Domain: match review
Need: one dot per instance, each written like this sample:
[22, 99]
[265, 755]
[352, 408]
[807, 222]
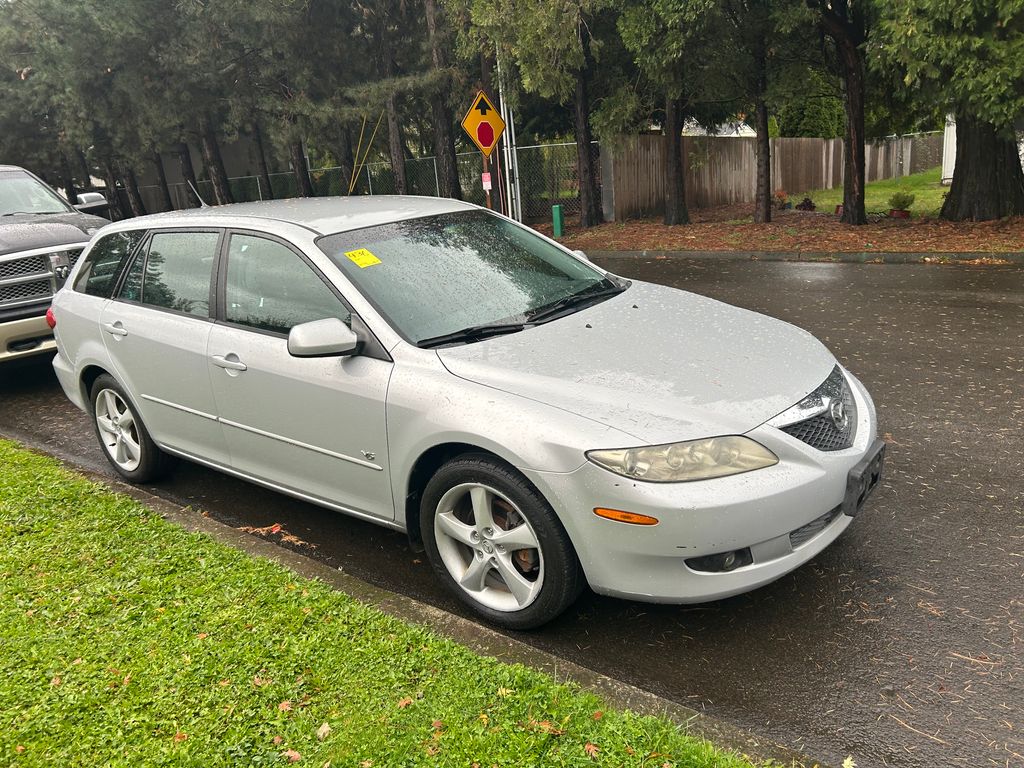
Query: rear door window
[174, 272]
[104, 263]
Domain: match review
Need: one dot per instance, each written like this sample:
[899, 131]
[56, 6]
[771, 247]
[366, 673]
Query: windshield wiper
[575, 301]
[472, 333]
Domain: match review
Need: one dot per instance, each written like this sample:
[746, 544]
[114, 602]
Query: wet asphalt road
[902, 644]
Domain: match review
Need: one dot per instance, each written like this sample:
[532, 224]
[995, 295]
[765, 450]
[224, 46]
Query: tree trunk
[161, 177]
[346, 161]
[266, 189]
[675, 180]
[214, 164]
[300, 169]
[188, 172]
[590, 193]
[853, 143]
[988, 182]
[763, 192]
[396, 147]
[67, 181]
[84, 172]
[440, 113]
[131, 188]
[113, 198]
[844, 23]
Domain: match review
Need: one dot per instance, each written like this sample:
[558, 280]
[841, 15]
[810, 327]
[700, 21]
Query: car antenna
[202, 203]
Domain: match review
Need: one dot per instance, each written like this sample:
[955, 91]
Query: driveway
[902, 644]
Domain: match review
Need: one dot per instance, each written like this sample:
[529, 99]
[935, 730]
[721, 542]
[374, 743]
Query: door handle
[115, 328]
[230, 364]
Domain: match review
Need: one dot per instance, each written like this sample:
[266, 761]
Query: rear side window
[271, 288]
[177, 272]
[103, 264]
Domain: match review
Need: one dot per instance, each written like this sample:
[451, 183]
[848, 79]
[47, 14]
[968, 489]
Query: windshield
[21, 192]
[441, 274]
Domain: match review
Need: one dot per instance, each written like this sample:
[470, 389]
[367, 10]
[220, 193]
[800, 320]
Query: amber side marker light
[625, 517]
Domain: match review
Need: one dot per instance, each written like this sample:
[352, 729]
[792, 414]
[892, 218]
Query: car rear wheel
[497, 544]
[122, 435]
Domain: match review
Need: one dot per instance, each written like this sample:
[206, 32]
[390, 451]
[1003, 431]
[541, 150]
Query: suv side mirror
[91, 201]
[329, 337]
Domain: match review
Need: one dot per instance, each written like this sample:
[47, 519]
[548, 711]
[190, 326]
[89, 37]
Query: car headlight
[684, 462]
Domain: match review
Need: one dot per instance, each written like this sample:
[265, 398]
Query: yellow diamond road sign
[483, 124]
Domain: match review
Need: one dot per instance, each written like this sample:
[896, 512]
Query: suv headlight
[684, 462]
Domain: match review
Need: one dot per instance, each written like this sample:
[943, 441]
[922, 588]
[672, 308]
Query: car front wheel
[122, 435]
[497, 544]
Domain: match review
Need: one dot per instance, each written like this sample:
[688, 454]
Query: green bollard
[556, 219]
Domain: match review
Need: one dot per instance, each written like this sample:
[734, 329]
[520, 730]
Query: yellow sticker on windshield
[362, 258]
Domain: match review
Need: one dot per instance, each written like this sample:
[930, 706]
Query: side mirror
[329, 337]
[91, 201]
[582, 255]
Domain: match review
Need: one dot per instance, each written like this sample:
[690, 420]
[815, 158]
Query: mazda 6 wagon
[536, 423]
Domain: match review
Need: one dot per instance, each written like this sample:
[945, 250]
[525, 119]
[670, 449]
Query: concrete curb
[479, 638]
[868, 257]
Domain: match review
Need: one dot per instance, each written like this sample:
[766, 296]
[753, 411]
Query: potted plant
[899, 204]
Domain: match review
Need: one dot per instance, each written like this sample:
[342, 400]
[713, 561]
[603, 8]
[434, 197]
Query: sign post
[484, 126]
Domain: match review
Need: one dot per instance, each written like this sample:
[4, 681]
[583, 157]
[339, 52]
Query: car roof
[11, 168]
[322, 215]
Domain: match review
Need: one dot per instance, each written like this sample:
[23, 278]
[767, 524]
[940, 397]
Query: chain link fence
[548, 176]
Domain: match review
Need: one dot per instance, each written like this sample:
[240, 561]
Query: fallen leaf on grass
[292, 755]
[285, 706]
[277, 740]
[437, 725]
[591, 749]
[180, 736]
[323, 731]
[259, 682]
[598, 714]
[56, 680]
[403, 703]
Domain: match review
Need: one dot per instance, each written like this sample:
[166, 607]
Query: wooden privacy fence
[723, 170]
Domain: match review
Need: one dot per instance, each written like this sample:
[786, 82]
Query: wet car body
[496, 448]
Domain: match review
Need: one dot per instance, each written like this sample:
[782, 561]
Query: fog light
[722, 562]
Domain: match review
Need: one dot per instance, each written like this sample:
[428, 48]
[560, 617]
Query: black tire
[560, 575]
[152, 463]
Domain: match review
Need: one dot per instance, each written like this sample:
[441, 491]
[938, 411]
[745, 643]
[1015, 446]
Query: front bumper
[769, 511]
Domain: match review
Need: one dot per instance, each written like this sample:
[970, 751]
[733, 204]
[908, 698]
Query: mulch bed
[731, 228]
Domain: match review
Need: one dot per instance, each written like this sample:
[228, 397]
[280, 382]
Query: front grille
[29, 265]
[21, 292]
[73, 256]
[805, 533]
[822, 431]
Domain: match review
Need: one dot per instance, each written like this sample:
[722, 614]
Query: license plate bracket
[863, 479]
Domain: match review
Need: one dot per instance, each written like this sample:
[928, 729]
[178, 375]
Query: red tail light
[50, 319]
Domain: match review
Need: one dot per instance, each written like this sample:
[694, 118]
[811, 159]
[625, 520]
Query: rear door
[156, 332]
[314, 426]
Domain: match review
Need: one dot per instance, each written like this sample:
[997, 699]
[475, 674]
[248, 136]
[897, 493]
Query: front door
[311, 425]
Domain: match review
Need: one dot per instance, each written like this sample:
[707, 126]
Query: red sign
[486, 179]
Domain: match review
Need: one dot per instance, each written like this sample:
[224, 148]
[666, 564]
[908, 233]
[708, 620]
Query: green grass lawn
[925, 186]
[127, 641]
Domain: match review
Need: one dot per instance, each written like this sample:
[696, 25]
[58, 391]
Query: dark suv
[41, 237]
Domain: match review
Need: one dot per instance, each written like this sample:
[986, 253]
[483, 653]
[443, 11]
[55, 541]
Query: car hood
[656, 363]
[25, 231]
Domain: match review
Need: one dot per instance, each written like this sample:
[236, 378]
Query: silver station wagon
[534, 422]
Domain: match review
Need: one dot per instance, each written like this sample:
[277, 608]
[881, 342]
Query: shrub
[806, 205]
[901, 200]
